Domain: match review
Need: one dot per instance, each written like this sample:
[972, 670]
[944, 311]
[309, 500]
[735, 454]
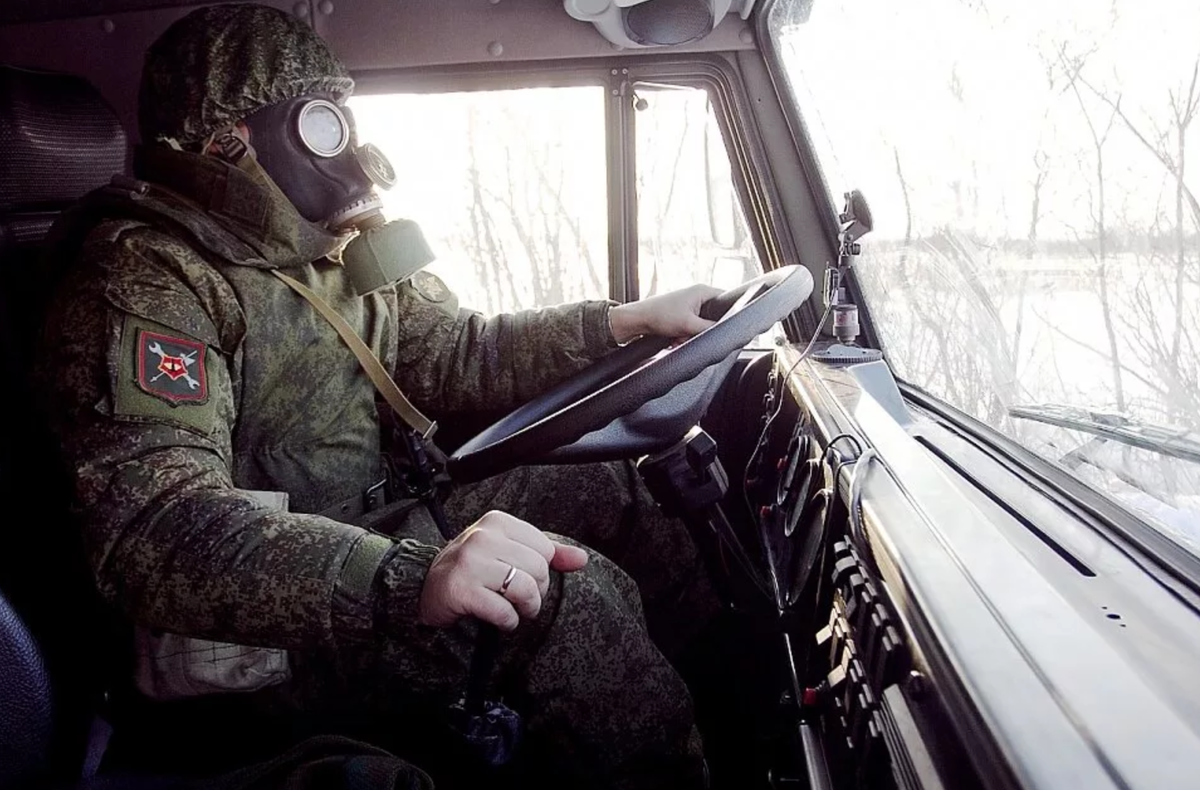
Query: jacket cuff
[598, 338]
[398, 586]
[353, 609]
[378, 571]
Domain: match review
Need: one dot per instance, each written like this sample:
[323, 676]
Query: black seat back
[25, 726]
[58, 141]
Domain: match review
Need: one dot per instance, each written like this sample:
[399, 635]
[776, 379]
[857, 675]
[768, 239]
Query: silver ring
[512, 573]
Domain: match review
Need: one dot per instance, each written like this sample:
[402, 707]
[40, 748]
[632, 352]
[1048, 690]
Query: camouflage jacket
[181, 376]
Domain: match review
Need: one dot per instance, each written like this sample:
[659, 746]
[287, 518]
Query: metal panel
[386, 35]
[366, 34]
[1067, 708]
[14, 11]
[107, 50]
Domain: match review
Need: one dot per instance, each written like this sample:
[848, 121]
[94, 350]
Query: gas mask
[307, 146]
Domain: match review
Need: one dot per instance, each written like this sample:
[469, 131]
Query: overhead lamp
[650, 23]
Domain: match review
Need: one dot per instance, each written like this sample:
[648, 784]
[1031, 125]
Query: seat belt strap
[370, 363]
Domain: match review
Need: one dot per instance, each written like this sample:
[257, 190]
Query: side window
[691, 226]
[509, 187]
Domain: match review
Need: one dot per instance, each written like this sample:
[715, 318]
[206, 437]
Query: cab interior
[919, 594]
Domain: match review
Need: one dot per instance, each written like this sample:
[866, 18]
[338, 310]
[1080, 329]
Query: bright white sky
[966, 94]
[877, 75]
[538, 157]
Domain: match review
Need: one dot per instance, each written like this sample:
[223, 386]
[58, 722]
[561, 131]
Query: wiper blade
[1175, 442]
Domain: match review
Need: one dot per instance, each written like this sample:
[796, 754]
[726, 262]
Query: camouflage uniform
[182, 378]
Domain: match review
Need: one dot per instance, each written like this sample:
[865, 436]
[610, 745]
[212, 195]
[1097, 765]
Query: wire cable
[858, 534]
[758, 447]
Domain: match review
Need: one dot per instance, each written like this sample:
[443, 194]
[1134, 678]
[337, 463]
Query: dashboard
[951, 618]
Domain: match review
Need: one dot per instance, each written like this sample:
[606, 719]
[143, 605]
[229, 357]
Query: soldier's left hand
[675, 314]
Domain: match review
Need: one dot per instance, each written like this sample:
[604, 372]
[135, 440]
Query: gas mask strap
[231, 148]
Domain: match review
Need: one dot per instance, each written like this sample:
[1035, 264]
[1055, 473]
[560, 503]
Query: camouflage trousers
[606, 508]
[590, 676]
[600, 702]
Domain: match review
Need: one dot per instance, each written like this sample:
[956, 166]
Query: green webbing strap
[370, 363]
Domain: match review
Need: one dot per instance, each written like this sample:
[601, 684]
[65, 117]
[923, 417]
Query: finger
[491, 607]
[694, 324]
[568, 558]
[527, 534]
[523, 594]
[526, 560]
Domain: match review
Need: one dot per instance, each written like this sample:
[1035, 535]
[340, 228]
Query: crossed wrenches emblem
[188, 359]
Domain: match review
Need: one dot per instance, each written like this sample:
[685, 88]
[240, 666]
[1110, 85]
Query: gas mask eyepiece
[323, 128]
[307, 146]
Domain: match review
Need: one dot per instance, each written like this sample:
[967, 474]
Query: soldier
[225, 441]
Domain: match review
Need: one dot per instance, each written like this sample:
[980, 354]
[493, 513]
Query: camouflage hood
[243, 202]
[235, 212]
[219, 64]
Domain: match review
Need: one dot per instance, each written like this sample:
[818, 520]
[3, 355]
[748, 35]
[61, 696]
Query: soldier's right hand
[467, 575]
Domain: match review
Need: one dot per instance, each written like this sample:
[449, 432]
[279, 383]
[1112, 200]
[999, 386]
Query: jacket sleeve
[171, 542]
[456, 360]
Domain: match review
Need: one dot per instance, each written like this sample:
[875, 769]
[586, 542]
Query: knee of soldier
[600, 586]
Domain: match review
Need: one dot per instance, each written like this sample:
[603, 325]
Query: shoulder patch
[431, 287]
[163, 374]
[171, 367]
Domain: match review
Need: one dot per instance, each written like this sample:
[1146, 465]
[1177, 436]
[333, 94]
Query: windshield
[1035, 260]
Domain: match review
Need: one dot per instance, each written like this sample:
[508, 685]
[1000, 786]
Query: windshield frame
[753, 179]
[814, 174]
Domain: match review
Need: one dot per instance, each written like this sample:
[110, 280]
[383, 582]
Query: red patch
[171, 368]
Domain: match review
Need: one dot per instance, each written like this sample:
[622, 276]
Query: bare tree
[1072, 67]
[522, 238]
[1168, 145]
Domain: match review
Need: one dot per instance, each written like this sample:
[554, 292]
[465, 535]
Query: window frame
[812, 172]
[752, 178]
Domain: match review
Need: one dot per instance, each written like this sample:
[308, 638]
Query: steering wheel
[642, 397]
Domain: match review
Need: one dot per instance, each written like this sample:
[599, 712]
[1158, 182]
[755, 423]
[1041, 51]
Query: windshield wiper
[1175, 442]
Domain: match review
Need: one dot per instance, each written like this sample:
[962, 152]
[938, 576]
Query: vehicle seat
[58, 141]
[25, 721]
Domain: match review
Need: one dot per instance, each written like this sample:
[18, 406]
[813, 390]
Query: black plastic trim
[922, 638]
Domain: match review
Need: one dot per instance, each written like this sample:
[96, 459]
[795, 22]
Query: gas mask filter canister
[383, 252]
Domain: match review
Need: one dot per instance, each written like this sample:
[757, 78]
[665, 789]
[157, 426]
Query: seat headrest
[58, 140]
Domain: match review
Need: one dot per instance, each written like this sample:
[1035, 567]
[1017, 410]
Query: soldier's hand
[466, 576]
[675, 314]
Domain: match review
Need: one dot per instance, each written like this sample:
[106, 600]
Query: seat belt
[383, 382]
